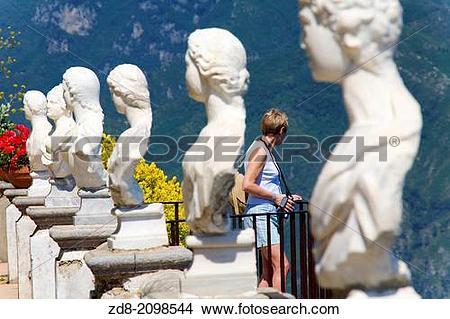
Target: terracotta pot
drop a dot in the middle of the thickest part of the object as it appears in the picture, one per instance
(4, 175)
(20, 178)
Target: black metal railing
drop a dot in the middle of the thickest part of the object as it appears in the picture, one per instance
(174, 238)
(295, 240)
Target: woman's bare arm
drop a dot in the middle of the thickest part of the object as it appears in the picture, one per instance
(256, 162)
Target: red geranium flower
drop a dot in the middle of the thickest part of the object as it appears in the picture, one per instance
(9, 134)
(13, 153)
(22, 128)
(9, 149)
(22, 151)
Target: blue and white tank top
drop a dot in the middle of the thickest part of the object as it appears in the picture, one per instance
(269, 178)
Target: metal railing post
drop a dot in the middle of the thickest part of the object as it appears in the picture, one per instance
(293, 244)
(282, 268)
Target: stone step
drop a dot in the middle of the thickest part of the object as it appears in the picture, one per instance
(9, 291)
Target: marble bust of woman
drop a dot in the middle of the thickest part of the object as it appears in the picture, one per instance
(35, 107)
(131, 97)
(216, 76)
(55, 154)
(356, 205)
(82, 96)
(140, 226)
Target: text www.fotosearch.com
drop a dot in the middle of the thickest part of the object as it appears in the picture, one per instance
(251, 309)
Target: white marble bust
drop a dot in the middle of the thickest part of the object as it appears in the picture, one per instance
(82, 96)
(356, 206)
(35, 107)
(55, 154)
(216, 75)
(131, 97)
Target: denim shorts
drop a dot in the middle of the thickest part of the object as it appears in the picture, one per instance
(261, 223)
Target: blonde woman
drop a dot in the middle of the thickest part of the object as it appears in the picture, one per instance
(262, 182)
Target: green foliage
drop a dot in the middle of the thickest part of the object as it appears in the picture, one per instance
(5, 123)
(8, 41)
(156, 186)
(9, 100)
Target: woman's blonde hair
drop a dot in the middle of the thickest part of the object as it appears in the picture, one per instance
(273, 121)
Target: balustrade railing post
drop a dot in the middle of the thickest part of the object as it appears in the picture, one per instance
(282, 268)
(304, 284)
(293, 244)
(312, 272)
(177, 227)
(173, 237)
(240, 222)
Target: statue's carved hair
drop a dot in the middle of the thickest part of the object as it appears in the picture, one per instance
(84, 88)
(129, 82)
(36, 103)
(221, 59)
(349, 19)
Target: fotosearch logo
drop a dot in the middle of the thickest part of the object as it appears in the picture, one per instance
(192, 148)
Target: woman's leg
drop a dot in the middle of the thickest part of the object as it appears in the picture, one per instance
(266, 272)
(276, 267)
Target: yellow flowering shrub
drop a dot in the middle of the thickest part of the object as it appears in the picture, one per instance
(156, 186)
(108, 143)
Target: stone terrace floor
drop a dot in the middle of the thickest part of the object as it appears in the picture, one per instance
(7, 291)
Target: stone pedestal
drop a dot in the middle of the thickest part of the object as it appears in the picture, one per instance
(224, 265)
(400, 293)
(81, 237)
(96, 206)
(74, 280)
(4, 203)
(23, 202)
(47, 217)
(25, 228)
(12, 216)
(63, 193)
(43, 251)
(381, 275)
(15, 192)
(142, 227)
(14, 212)
(122, 269)
(40, 186)
(4, 186)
